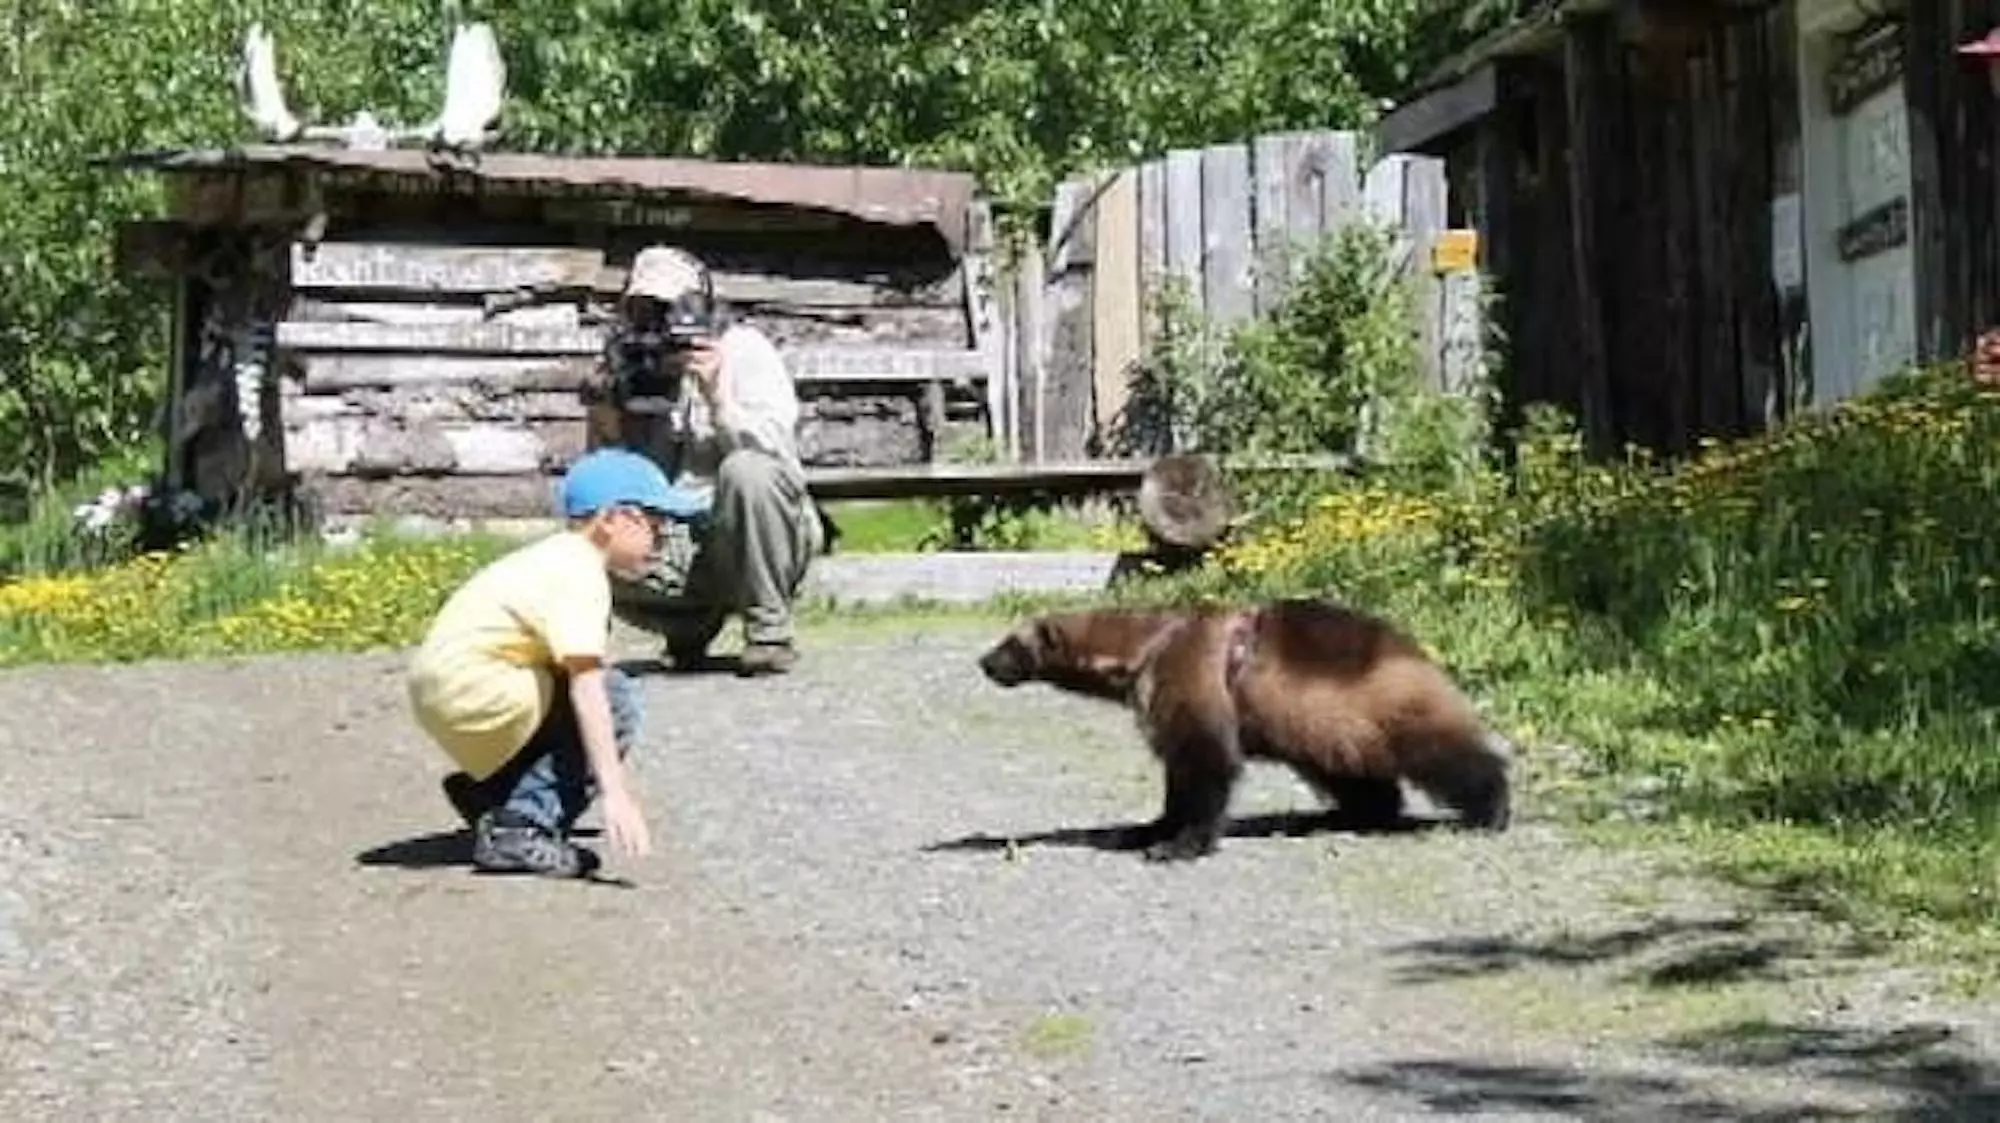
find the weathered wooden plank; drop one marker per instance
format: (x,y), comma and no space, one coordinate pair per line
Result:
(1423,222)
(329,372)
(982,314)
(1030,350)
(1225,222)
(478,338)
(1462,331)
(457,269)
(462,401)
(650,215)
(885,364)
(1340,183)
(1712,137)
(441,497)
(1767,101)
(1587,84)
(1421,120)
(376,446)
(564,316)
(1114,297)
(1270,238)
(1943,148)
(441,268)
(806,363)
(1007,305)
(1183,228)
(334,373)
(756,289)
(1066,408)
(1671,339)
(1152,245)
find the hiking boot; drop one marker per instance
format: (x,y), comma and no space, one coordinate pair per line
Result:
(767,659)
(466,797)
(508,842)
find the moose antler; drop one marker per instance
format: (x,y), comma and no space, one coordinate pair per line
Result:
(475,84)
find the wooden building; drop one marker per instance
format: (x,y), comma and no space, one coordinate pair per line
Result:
(1704,214)
(381,334)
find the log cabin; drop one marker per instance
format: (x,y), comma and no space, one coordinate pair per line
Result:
(373,333)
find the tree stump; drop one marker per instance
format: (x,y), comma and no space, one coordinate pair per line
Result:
(1185,503)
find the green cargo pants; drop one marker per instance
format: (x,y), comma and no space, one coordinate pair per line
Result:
(749,557)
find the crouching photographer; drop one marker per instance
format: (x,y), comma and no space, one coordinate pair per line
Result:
(713,403)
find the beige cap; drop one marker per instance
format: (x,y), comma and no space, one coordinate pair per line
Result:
(664,273)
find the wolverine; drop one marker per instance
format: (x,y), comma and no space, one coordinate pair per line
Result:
(1348,701)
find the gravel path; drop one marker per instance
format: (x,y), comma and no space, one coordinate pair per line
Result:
(232,892)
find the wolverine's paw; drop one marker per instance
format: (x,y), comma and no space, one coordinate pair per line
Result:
(1143,836)
(1181,848)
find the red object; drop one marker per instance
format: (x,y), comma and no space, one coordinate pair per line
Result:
(1986,47)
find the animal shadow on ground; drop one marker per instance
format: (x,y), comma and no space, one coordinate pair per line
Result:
(1926,1067)
(709,665)
(444,849)
(1119,837)
(1685,951)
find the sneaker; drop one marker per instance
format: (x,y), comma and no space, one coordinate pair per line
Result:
(506,842)
(767,659)
(466,797)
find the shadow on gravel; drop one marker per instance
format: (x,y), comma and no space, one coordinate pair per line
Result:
(1282,824)
(709,665)
(453,848)
(1677,952)
(423,852)
(1924,1067)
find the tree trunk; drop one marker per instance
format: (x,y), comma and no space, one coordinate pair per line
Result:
(1185,503)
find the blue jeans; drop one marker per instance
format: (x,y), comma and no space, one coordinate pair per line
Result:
(549,780)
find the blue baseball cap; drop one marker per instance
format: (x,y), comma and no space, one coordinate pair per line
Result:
(612,477)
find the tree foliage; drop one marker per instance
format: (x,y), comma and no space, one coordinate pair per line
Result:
(1020,92)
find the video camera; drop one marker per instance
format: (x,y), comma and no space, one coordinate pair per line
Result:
(647,344)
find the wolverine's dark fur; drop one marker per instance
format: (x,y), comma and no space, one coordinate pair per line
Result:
(1345,699)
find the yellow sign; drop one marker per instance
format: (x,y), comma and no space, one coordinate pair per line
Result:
(1456,251)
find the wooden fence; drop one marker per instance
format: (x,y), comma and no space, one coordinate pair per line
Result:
(1077,315)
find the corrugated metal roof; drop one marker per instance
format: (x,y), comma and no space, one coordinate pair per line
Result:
(889,195)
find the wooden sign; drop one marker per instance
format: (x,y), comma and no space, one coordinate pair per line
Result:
(442,269)
(1883,228)
(886,364)
(1868,65)
(1456,251)
(480,338)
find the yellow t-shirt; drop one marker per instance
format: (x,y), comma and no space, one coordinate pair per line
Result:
(483,678)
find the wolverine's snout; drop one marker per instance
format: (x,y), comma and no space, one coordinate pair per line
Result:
(1007,662)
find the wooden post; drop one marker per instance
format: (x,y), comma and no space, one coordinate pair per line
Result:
(1030,366)
(1115,294)
(1067,407)
(1423,223)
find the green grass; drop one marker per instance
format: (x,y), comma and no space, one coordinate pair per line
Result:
(878,526)
(1783,657)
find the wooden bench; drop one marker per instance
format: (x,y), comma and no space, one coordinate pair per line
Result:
(1183,502)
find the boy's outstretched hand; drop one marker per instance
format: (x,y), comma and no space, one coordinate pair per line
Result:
(625,824)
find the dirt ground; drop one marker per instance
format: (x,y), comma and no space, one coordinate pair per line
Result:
(232,891)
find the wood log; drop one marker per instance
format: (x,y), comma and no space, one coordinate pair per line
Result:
(1185,502)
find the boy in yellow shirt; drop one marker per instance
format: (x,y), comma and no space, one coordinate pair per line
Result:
(512,682)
